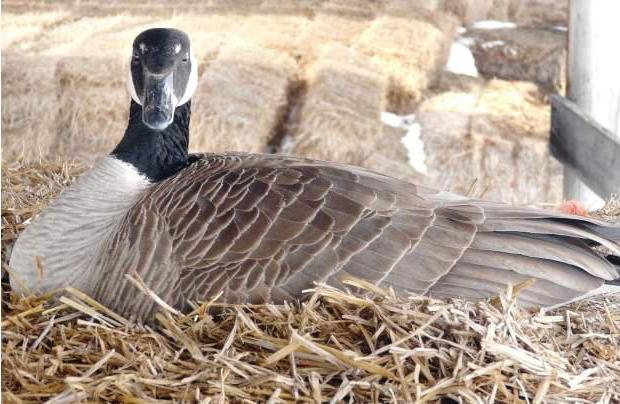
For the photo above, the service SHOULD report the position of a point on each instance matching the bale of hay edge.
(339, 117)
(92, 107)
(240, 99)
(29, 106)
(494, 135)
(409, 52)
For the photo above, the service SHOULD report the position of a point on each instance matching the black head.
(162, 75)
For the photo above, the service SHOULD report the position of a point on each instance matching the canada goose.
(265, 227)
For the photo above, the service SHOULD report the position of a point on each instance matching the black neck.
(157, 154)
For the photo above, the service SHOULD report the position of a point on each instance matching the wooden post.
(593, 76)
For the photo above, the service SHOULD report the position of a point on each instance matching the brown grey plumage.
(264, 228)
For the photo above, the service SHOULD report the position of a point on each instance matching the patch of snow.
(415, 148)
(461, 60)
(393, 120)
(466, 41)
(560, 28)
(492, 44)
(461, 30)
(412, 141)
(492, 24)
(287, 144)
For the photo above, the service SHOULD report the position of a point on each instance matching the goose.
(257, 228)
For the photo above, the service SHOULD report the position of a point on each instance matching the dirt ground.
(303, 77)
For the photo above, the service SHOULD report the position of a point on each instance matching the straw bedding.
(370, 346)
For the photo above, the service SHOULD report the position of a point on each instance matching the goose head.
(163, 74)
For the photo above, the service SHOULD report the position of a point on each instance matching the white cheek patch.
(131, 88)
(192, 82)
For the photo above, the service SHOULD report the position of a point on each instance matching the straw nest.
(370, 346)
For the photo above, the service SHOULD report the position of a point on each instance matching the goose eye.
(136, 56)
(186, 58)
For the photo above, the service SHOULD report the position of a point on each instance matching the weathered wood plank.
(585, 146)
(593, 80)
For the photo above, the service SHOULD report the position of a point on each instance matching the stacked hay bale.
(29, 105)
(328, 28)
(468, 11)
(75, 38)
(512, 135)
(240, 100)
(541, 13)
(409, 52)
(494, 134)
(18, 30)
(352, 8)
(279, 32)
(339, 118)
(92, 106)
(446, 132)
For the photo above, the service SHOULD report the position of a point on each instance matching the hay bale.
(20, 30)
(29, 106)
(391, 156)
(468, 11)
(407, 7)
(273, 31)
(517, 168)
(501, 10)
(326, 28)
(542, 13)
(409, 52)
(514, 105)
(446, 132)
(493, 136)
(74, 38)
(351, 9)
(240, 100)
(92, 107)
(340, 116)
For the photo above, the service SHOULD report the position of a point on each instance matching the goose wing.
(264, 228)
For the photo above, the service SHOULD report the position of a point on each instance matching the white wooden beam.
(593, 76)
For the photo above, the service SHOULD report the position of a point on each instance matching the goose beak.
(159, 100)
